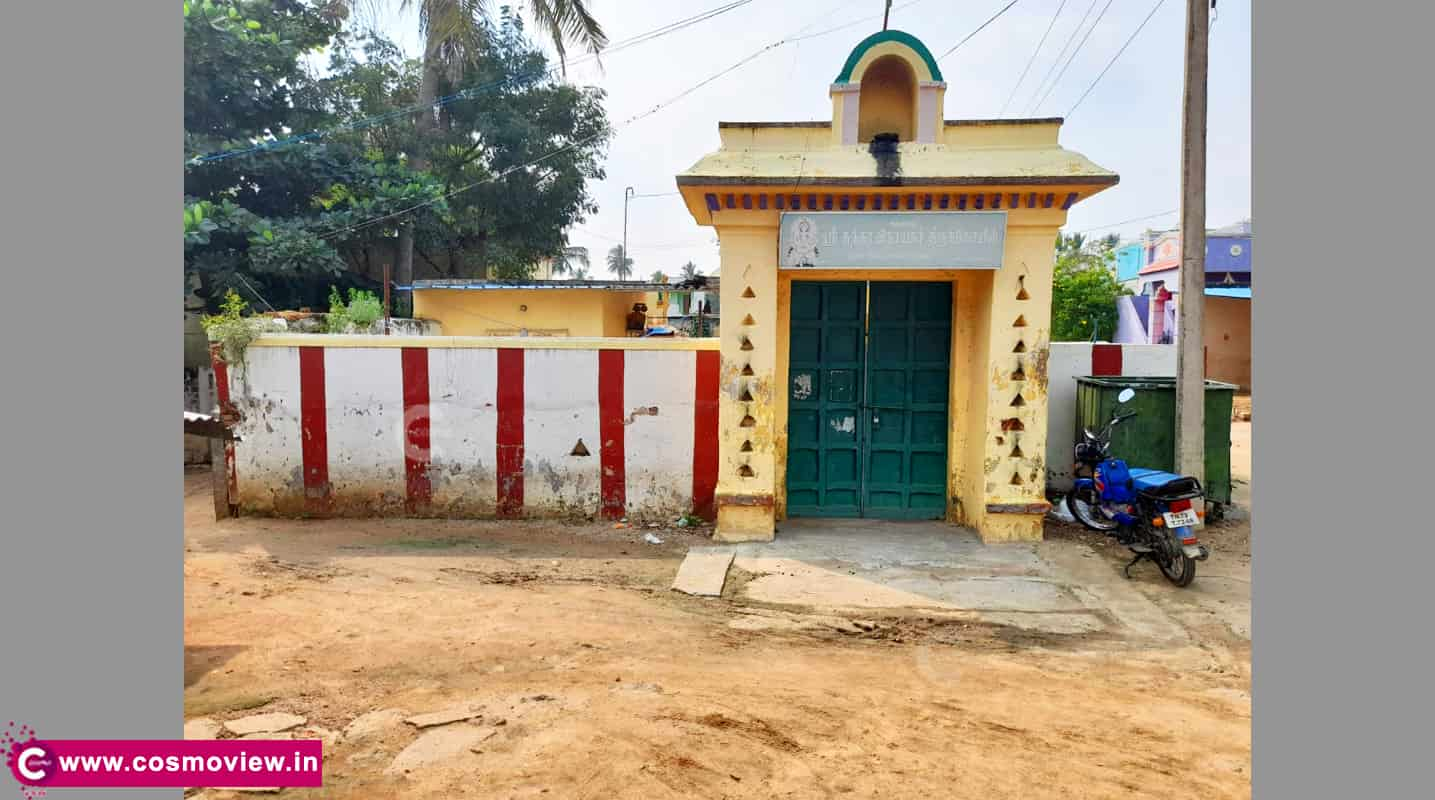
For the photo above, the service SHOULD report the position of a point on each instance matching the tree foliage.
(291, 218)
(618, 263)
(571, 259)
(1084, 289)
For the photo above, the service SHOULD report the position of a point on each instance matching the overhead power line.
(844, 26)
(1118, 55)
(1062, 52)
(467, 93)
(576, 143)
(1074, 53)
(1129, 221)
(1032, 60)
(978, 30)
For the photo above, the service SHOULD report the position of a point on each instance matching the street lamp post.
(627, 195)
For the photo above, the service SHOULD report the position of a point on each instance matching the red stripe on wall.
(705, 434)
(314, 422)
(419, 490)
(510, 432)
(1106, 359)
(613, 489)
(221, 388)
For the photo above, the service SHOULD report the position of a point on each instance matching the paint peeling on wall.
(372, 464)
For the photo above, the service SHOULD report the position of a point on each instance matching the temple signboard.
(891, 240)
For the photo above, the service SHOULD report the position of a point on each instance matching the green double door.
(868, 381)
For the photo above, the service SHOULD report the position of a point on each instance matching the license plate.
(1181, 519)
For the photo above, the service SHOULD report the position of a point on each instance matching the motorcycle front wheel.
(1088, 512)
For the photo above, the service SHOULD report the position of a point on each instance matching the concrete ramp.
(703, 572)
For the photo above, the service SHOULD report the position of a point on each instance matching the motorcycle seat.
(1164, 484)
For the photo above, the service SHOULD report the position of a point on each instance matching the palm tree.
(580, 274)
(454, 32)
(567, 259)
(690, 271)
(618, 263)
(659, 277)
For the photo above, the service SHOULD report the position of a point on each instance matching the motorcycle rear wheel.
(1179, 570)
(1088, 513)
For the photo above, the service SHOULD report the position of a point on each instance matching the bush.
(231, 328)
(362, 310)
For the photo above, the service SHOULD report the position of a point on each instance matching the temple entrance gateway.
(886, 283)
(869, 369)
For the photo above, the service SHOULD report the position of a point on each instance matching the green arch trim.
(901, 37)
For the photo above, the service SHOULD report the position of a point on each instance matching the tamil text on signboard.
(883, 240)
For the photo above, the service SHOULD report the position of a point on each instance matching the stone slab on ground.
(202, 728)
(791, 582)
(368, 725)
(445, 717)
(273, 722)
(703, 573)
(437, 744)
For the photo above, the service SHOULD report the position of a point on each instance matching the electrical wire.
(1118, 55)
(647, 246)
(576, 143)
(1074, 53)
(844, 26)
(978, 30)
(1051, 69)
(464, 94)
(1129, 221)
(1032, 60)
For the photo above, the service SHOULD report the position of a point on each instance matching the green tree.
(690, 271)
(1084, 289)
(292, 220)
(618, 263)
(569, 259)
(278, 224)
(456, 36)
(509, 216)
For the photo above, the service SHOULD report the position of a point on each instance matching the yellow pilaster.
(747, 388)
(1018, 338)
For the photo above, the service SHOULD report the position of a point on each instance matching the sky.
(1130, 122)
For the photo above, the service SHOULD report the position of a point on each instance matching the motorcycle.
(1150, 511)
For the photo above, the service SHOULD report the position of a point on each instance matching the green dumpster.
(1149, 438)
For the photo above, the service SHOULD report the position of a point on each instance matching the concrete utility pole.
(1190, 343)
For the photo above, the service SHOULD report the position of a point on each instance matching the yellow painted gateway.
(886, 295)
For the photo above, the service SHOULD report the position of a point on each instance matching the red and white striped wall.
(456, 427)
(1070, 360)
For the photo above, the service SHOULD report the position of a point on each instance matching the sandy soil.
(595, 681)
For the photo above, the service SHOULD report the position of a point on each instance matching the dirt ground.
(593, 680)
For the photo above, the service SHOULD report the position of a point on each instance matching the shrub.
(231, 328)
(361, 311)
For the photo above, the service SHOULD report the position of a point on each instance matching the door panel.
(907, 388)
(824, 454)
(867, 399)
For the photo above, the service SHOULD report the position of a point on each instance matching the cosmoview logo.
(29, 759)
(34, 762)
